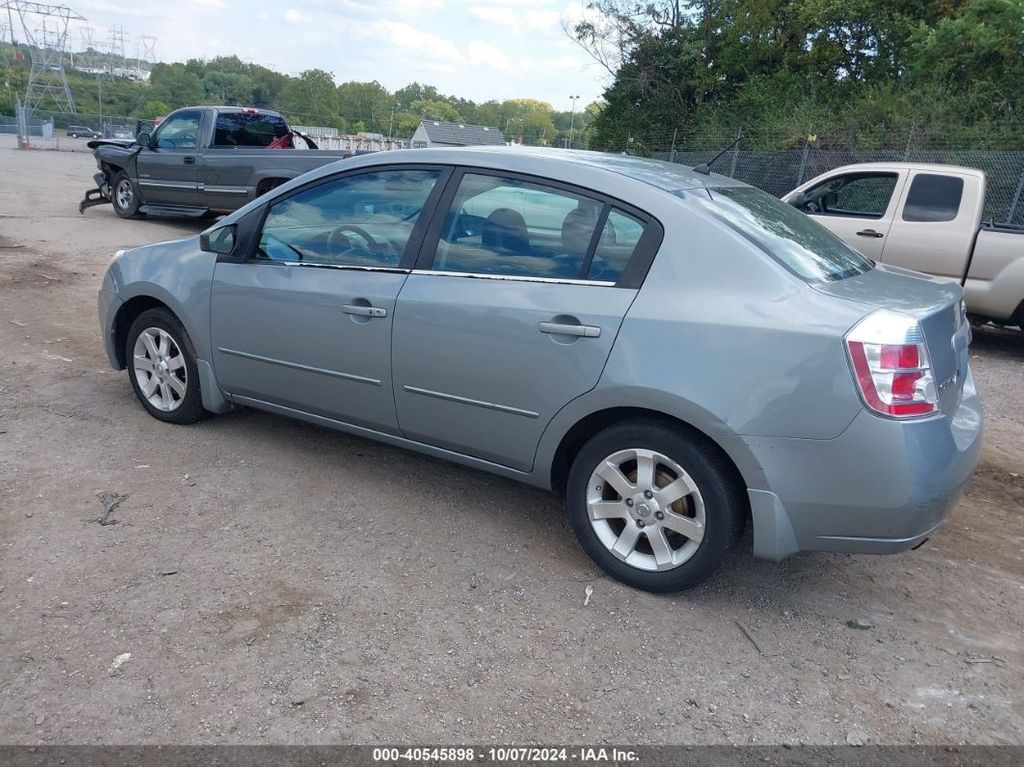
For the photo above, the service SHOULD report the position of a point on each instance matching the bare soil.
(277, 582)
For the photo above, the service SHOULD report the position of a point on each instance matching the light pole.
(572, 119)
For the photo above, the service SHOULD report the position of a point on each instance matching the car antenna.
(705, 167)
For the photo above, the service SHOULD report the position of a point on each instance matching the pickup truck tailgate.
(936, 304)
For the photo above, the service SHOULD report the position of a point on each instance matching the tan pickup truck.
(927, 218)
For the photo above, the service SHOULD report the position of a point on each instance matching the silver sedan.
(676, 353)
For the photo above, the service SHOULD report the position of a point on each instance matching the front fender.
(179, 275)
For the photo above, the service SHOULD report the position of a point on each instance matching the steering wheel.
(371, 244)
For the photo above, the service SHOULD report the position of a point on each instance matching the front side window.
(860, 195)
(247, 129)
(361, 220)
(796, 241)
(510, 227)
(180, 132)
(933, 198)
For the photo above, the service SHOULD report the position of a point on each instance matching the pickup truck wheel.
(125, 196)
(162, 368)
(654, 506)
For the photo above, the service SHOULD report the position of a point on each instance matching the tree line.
(838, 72)
(313, 98)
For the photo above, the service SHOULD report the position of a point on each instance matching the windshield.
(793, 239)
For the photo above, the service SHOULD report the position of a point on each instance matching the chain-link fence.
(778, 163)
(780, 171)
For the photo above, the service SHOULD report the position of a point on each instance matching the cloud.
(516, 18)
(489, 55)
(409, 38)
(292, 16)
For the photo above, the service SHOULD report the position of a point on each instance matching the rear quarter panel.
(725, 339)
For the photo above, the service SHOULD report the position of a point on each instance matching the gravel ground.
(269, 581)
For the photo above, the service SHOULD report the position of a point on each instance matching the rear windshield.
(796, 241)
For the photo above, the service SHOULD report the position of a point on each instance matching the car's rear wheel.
(655, 506)
(162, 368)
(124, 196)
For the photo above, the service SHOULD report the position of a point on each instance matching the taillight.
(891, 366)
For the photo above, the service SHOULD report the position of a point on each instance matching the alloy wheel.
(645, 509)
(125, 194)
(160, 369)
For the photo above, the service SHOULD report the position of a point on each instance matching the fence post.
(735, 154)
(803, 161)
(910, 139)
(1016, 199)
(672, 153)
(22, 113)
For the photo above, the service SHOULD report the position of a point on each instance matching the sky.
(492, 49)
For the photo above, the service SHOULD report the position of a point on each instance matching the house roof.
(456, 134)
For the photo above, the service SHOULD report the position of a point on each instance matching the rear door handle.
(189, 160)
(364, 311)
(870, 233)
(563, 329)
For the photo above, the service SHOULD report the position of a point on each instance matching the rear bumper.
(881, 487)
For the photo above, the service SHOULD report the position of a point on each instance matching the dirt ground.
(277, 582)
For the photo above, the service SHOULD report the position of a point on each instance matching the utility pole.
(391, 122)
(572, 118)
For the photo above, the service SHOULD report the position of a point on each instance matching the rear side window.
(933, 198)
(248, 129)
(515, 228)
(619, 240)
(799, 243)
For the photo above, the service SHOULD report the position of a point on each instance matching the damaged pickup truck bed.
(201, 161)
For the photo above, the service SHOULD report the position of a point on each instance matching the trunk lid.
(936, 304)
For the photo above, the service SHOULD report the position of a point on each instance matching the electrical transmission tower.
(45, 30)
(147, 50)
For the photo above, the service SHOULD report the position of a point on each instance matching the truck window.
(933, 198)
(247, 129)
(181, 131)
(864, 195)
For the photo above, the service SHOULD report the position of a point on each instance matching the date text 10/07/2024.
(500, 754)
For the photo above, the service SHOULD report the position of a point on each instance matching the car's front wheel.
(657, 507)
(162, 368)
(124, 196)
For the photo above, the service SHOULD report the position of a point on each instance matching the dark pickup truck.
(201, 161)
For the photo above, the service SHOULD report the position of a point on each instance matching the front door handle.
(190, 160)
(564, 329)
(364, 311)
(870, 233)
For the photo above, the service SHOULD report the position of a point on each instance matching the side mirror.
(798, 200)
(220, 241)
(143, 139)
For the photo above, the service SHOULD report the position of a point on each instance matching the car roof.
(663, 175)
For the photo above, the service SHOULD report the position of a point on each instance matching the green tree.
(311, 98)
(368, 103)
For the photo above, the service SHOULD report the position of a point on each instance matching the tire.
(165, 342)
(74, 135)
(683, 546)
(124, 196)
